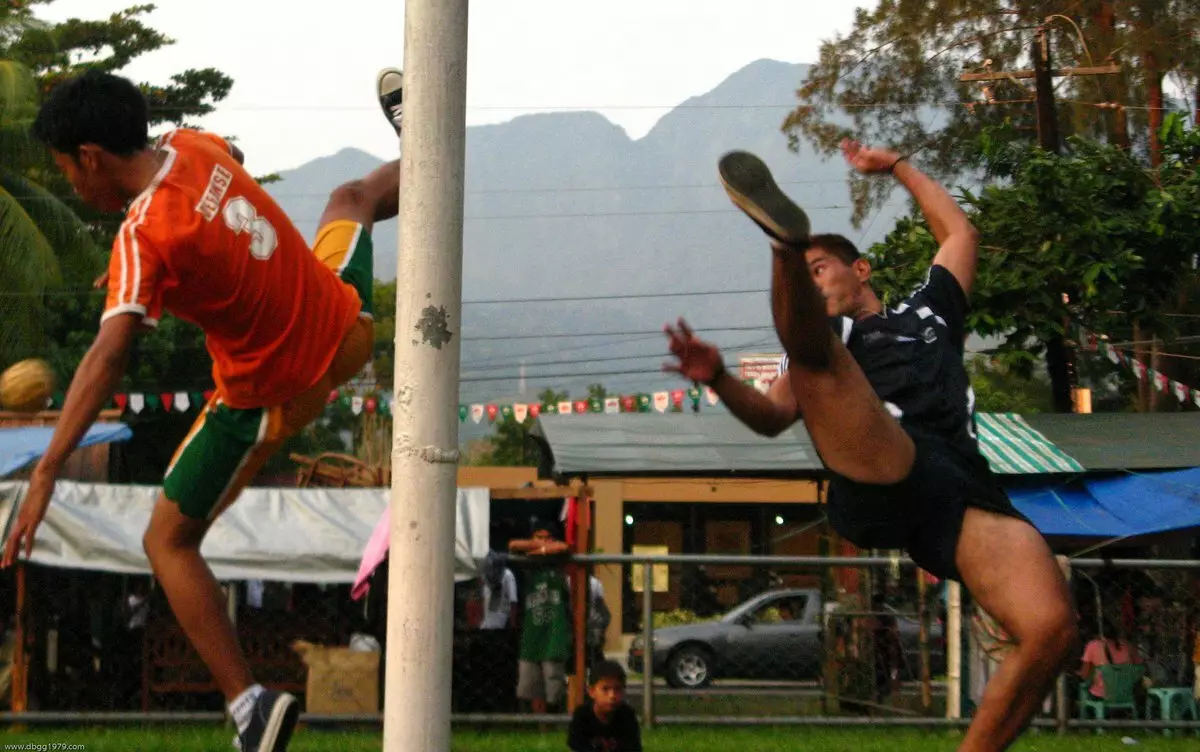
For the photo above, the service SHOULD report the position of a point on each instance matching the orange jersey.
(205, 242)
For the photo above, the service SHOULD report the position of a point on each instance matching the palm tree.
(40, 234)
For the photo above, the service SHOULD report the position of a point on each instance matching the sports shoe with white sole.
(752, 189)
(389, 85)
(272, 723)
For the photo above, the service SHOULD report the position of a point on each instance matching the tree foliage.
(894, 77)
(51, 244)
(1091, 224)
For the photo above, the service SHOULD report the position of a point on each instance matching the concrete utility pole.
(428, 348)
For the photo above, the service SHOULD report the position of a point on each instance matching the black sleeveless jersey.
(913, 356)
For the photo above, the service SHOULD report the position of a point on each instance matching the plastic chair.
(1120, 681)
(1170, 697)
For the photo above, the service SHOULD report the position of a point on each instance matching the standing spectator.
(499, 594)
(545, 626)
(494, 660)
(598, 619)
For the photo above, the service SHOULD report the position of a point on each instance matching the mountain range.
(567, 205)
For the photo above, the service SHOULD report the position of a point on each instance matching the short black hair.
(94, 108)
(606, 670)
(836, 245)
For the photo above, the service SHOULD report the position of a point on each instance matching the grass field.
(175, 739)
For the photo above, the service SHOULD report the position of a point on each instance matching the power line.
(585, 189)
(564, 335)
(78, 292)
(474, 366)
(568, 108)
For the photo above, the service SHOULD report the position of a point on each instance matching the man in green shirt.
(545, 626)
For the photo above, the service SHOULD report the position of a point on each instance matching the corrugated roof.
(1124, 441)
(673, 443)
(678, 443)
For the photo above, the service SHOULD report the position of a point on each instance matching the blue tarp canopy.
(1121, 506)
(20, 446)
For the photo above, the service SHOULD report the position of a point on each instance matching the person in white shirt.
(500, 604)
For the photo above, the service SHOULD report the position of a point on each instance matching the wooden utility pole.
(1060, 360)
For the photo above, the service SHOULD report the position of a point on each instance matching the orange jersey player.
(285, 324)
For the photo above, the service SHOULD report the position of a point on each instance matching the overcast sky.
(304, 82)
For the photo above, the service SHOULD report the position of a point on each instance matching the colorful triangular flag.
(476, 413)
(612, 405)
(520, 411)
(662, 400)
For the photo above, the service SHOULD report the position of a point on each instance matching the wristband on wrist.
(716, 374)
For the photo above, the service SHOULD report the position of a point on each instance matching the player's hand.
(697, 360)
(866, 160)
(101, 282)
(33, 509)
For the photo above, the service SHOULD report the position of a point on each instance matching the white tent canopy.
(313, 535)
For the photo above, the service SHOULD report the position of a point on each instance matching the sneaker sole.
(281, 724)
(385, 73)
(752, 189)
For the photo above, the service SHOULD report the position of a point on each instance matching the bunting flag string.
(1141, 371)
(361, 402)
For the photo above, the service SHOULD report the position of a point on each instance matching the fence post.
(954, 651)
(647, 645)
(1061, 685)
(923, 638)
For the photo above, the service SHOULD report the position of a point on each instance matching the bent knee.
(170, 531)
(1054, 635)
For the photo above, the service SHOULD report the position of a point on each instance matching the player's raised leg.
(855, 435)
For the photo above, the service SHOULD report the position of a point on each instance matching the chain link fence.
(729, 640)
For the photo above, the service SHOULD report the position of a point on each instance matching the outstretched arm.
(957, 238)
(768, 414)
(98, 376)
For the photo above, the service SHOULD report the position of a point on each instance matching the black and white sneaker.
(390, 87)
(752, 189)
(272, 723)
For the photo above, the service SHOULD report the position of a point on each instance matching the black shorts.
(923, 513)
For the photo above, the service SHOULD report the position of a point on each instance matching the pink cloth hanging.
(374, 554)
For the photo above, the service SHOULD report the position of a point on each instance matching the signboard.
(761, 370)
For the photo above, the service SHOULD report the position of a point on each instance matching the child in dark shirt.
(606, 724)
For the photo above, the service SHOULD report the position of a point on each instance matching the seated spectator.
(1115, 649)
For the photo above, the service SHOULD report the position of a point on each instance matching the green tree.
(549, 397)
(385, 333)
(40, 235)
(1083, 238)
(894, 78)
(511, 445)
(1000, 389)
(59, 311)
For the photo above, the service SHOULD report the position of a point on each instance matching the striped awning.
(1013, 447)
